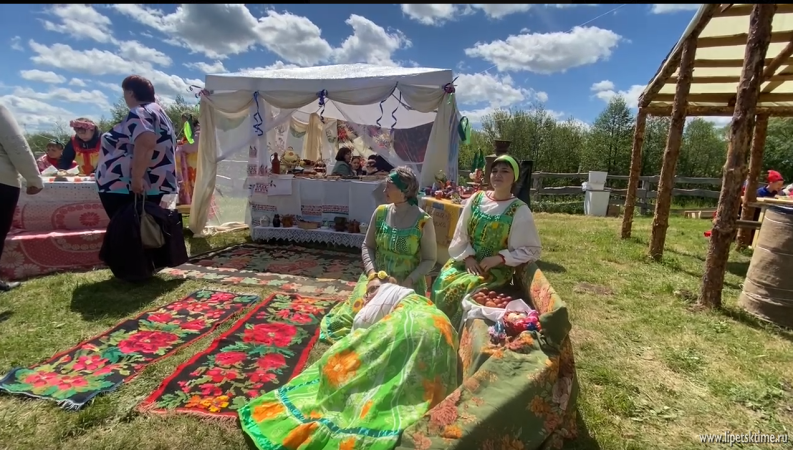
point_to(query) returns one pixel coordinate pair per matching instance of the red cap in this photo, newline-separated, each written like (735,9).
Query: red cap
(773,176)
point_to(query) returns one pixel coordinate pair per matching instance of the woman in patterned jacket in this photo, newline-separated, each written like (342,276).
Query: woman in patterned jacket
(138,156)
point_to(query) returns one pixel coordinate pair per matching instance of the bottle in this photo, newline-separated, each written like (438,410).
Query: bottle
(277,221)
(276,164)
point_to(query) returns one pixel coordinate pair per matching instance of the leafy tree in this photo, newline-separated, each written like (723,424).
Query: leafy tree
(611,139)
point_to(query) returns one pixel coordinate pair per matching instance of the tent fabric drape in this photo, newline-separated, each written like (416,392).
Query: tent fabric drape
(228,127)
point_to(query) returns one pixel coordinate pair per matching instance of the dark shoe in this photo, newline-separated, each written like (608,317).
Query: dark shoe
(6,286)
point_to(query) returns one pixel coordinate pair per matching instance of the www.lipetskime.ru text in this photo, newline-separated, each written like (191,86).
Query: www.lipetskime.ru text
(730,438)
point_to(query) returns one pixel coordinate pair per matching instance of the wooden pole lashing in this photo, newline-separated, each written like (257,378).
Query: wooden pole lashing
(723,232)
(755,164)
(666,182)
(635,172)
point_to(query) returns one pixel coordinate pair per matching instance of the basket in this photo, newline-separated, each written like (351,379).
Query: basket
(308,225)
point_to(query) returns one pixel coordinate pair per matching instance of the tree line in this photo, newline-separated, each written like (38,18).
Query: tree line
(562,146)
(572,147)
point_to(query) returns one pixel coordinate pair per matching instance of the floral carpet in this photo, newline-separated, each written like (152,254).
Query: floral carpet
(101,364)
(261,351)
(289,268)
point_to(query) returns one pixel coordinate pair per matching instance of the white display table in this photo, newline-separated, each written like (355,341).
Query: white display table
(299,235)
(313,200)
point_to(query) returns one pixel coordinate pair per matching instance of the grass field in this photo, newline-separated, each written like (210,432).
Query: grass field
(653,374)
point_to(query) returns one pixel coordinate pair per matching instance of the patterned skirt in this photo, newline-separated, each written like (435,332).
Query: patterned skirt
(366,389)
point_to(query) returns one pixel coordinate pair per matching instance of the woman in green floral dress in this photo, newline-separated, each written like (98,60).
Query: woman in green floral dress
(368,387)
(495,234)
(400,241)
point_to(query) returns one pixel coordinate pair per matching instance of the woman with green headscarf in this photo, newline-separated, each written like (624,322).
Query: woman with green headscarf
(495,234)
(399,242)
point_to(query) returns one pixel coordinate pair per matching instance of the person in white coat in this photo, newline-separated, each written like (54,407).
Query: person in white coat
(16,159)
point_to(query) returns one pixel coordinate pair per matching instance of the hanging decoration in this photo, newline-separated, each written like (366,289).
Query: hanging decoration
(198,91)
(381,112)
(257,118)
(464,130)
(393,113)
(449,89)
(322,95)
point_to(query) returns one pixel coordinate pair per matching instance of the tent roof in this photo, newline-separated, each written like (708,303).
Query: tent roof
(341,77)
(719,61)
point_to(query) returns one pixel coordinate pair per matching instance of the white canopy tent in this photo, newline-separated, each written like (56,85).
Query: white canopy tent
(240,112)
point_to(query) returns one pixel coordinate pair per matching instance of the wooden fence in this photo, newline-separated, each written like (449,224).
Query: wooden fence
(646,192)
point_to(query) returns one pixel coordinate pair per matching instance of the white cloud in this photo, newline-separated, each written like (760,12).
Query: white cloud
(16,44)
(215,67)
(33,114)
(80,21)
(274,66)
(604,85)
(438,14)
(93,97)
(114,88)
(666,9)
(433,14)
(77,82)
(135,51)
(216,30)
(547,53)
(499,11)
(42,76)
(605,90)
(369,43)
(498,91)
(102,62)
(221,30)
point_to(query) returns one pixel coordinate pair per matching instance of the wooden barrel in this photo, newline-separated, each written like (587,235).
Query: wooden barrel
(768,288)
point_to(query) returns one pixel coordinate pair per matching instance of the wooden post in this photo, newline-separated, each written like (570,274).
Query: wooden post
(646,187)
(755,164)
(666,181)
(635,172)
(735,168)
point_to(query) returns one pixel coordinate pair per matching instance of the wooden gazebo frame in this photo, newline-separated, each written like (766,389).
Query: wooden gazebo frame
(703,76)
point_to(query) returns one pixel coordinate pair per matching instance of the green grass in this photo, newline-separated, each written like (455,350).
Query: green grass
(653,373)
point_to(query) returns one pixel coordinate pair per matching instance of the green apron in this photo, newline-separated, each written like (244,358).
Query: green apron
(398,253)
(489,234)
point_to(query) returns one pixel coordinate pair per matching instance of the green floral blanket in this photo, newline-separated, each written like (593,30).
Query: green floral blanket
(519,396)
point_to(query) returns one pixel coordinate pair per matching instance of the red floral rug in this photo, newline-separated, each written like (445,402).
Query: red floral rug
(101,364)
(288,268)
(260,352)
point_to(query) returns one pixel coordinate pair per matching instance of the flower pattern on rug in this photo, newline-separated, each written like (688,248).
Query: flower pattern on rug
(260,352)
(101,364)
(290,269)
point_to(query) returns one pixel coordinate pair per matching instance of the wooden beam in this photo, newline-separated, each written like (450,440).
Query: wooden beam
(671,63)
(755,165)
(721,63)
(746,10)
(635,172)
(666,180)
(725,98)
(740,39)
(733,80)
(769,73)
(724,230)
(718,111)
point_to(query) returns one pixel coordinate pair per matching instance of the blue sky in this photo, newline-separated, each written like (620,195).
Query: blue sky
(65,61)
